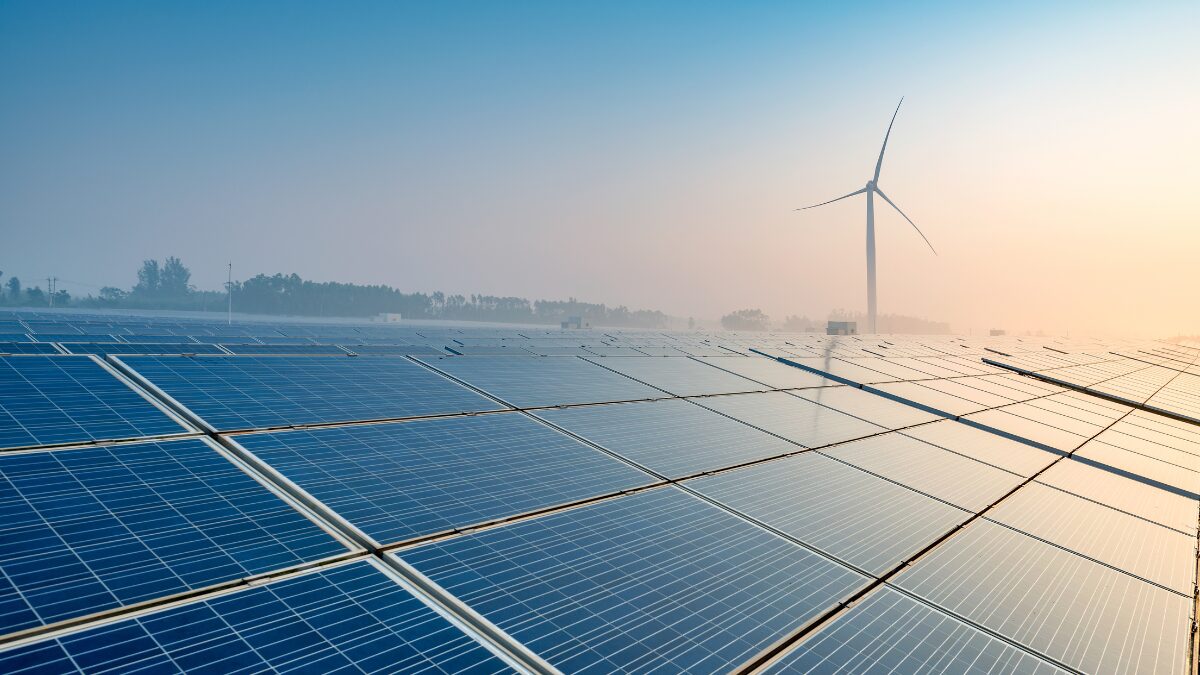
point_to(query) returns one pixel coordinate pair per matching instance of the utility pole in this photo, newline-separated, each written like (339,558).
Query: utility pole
(50,281)
(229,289)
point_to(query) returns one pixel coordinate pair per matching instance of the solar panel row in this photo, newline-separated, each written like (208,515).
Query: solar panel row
(1052,530)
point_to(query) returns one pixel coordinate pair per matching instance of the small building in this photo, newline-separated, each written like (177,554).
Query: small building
(386,317)
(575,322)
(997,332)
(841,328)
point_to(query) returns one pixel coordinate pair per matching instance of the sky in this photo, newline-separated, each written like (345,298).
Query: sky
(649,154)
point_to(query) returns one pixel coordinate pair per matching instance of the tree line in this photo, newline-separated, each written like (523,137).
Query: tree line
(167,285)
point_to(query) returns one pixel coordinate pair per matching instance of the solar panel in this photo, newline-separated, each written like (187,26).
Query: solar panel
(535,381)
(392,350)
(672,437)
(403,480)
(871,407)
(654,580)
(51,400)
(1020,458)
(847,513)
(1123,492)
(793,418)
(27,348)
(768,371)
(680,375)
(953,478)
(88,529)
(1126,542)
(349,618)
(1089,616)
(141,348)
(297,349)
(248,392)
(889,632)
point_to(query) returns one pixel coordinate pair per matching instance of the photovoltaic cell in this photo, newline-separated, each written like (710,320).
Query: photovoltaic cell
(536,381)
(249,392)
(50,400)
(672,437)
(1081,613)
(847,513)
(88,529)
(402,480)
(351,618)
(891,633)
(655,581)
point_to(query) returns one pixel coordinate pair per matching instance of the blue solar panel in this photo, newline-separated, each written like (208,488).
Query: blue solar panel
(403,480)
(306,348)
(673,437)
(351,618)
(533,381)
(658,580)
(892,633)
(89,529)
(249,392)
(49,400)
(141,348)
(27,348)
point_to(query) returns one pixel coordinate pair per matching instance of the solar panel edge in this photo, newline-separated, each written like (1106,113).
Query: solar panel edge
(165,399)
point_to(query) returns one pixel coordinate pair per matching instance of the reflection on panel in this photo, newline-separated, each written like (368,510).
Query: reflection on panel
(1088,616)
(889,632)
(654,580)
(849,514)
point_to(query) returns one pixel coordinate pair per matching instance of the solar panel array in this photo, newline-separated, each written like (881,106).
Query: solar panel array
(187,495)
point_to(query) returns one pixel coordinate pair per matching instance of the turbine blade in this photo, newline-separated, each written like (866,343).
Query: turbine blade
(910,222)
(879,163)
(856,192)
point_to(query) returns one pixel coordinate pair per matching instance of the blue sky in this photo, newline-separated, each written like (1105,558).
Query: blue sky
(638,153)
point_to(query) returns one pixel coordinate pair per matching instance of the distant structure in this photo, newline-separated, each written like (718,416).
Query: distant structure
(573,322)
(997,332)
(387,317)
(872,189)
(841,328)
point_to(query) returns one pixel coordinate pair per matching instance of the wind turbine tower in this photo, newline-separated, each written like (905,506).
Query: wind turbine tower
(871,189)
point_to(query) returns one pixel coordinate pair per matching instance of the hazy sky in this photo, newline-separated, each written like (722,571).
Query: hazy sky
(646,154)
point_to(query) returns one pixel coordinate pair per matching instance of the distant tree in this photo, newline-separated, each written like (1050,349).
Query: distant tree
(173,279)
(113,294)
(799,324)
(35,296)
(14,289)
(61,298)
(746,319)
(149,279)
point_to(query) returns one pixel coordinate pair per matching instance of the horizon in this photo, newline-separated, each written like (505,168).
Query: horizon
(649,157)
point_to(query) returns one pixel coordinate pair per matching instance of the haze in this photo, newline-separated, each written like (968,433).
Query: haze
(646,154)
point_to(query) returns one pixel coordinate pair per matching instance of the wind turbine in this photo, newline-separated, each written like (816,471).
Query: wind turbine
(872,189)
